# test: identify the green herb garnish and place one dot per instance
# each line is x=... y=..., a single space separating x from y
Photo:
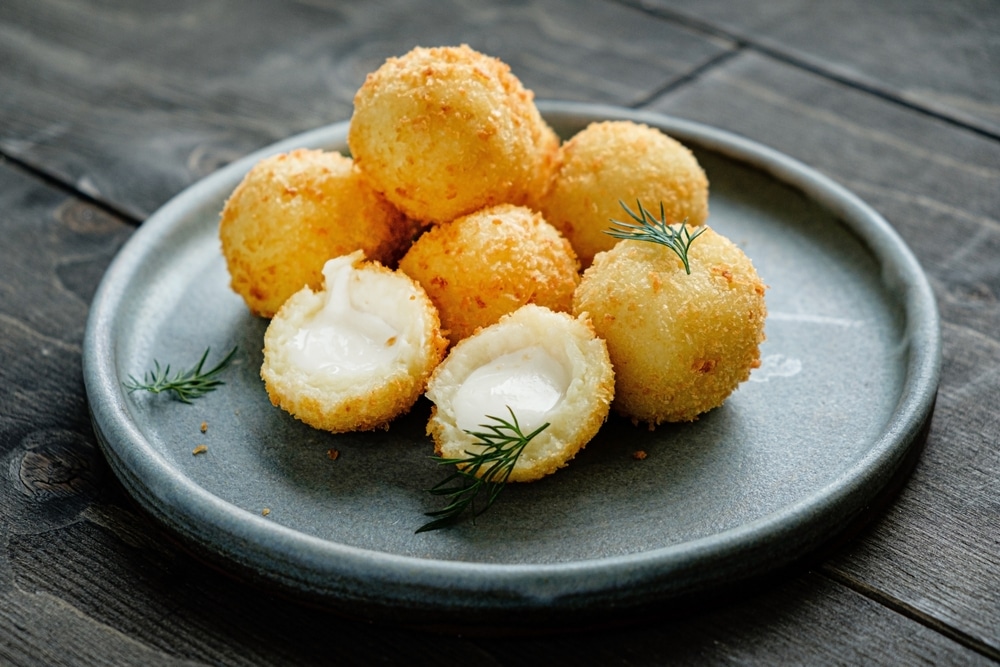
x=648 y=228
x=185 y=385
x=485 y=472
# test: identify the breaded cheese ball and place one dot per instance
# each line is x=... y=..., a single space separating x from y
x=680 y=343
x=294 y=211
x=445 y=131
x=356 y=354
x=546 y=367
x=489 y=263
x=621 y=161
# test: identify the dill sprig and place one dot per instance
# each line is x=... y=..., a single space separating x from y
x=485 y=472
x=185 y=385
x=648 y=228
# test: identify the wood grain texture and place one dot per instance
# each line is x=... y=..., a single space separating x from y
x=777 y=627
x=935 y=551
x=129 y=103
x=938 y=56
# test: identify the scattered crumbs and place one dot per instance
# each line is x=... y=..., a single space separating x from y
x=200 y=449
x=332 y=454
x=265 y=511
x=204 y=427
x=639 y=455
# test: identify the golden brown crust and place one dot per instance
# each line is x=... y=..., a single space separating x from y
x=614 y=161
x=338 y=404
x=294 y=211
x=680 y=344
x=489 y=263
x=445 y=131
x=572 y=423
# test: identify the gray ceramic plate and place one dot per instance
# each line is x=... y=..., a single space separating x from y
x=849 y=373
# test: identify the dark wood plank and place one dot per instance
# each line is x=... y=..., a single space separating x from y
x=941 y=56
x=130 y=103
x=936 y=551
x=809 y=621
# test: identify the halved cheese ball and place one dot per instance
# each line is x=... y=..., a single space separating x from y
x=546 y=367
x=294 y=211
x=680 y=343
x=445 y=131
x=621 y=161
x=489 y=263
x=356 y=354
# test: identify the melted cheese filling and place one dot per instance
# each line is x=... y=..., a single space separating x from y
x=529 y=381
x=342 y=339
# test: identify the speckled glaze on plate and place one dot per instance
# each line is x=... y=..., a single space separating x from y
x=850 y=370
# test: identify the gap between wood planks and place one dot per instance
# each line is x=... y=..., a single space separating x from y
x=742 y=43
x=57 y=183
x=911 y=612
x=697 y=72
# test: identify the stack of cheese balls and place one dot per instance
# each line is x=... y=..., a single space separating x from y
x=444 y=257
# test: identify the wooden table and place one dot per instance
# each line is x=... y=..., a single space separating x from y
x=107 y=109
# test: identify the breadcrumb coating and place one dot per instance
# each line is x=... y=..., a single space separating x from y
x=294 y=211
x=680 y=344
x=621 y=161
x=356 y=354
x=561 y=351
x=489 y=263
x=445 y=131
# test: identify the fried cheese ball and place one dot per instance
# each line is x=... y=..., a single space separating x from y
x=489 y=263
x=621 y=161
x=546 y=367
x=294 y=211
x=680 y=344
x=445 y=131
x=356 y=354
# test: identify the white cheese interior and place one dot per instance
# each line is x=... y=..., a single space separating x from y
x=529 y=381
x=342 y=339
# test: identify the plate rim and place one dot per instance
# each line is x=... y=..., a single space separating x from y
x=398 y=586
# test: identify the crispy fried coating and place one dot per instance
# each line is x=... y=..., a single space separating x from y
x=294 y=211
x=356 y=354
x=489 y=263
x=546 y=366
x=445 y=131
x=621 y=161
x=680 y=344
